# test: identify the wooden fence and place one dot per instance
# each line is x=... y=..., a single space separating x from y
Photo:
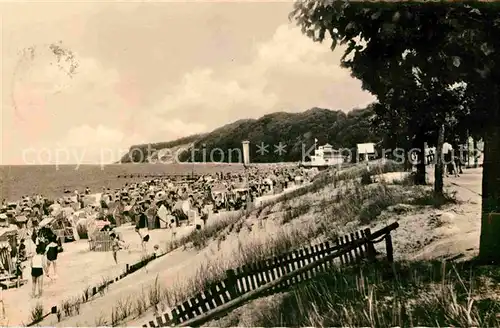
x=274 y=275
x=101 y=242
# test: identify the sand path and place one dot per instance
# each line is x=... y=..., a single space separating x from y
x=450 y=232
x=460 y=227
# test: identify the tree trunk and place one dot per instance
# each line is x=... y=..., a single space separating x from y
x=438 y=171
x=475 y=153
x=420 y=175
x=489 y=246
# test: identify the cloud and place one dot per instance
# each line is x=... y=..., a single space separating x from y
x=289 y=72
x=289 y=50
x=100 y=136
x=176 y=128
x=47 y=100
x=84 y=144
x=204 y=95
x=101 y=107
x=76 y=119
x=157 y=129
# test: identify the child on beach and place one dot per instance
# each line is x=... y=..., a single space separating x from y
x=144 y=240
x=38 y=266
x=115 y=246
x=51 y=253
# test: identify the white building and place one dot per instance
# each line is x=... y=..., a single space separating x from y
x=366 y=151
x=326 y=155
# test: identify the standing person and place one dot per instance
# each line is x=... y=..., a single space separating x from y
x=38 y=266
x=19 y=266
x=448 y=158
x=461 y=159
x=457 y=165
x=115 y=246
x=51 y=254
x=22 y=250
x=142 y=225
x=3 y=305
x=150 y=211
x=144 y=239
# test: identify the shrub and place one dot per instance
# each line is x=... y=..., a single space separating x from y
x=294 y=212
x=155 y=294
x=407 y=180
x=100 y=321
x=37 y=313
x=366 y=178
x=121 y=311
x=200 y=238
x=431 y=199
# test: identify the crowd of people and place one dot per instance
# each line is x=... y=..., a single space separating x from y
x=152 y=204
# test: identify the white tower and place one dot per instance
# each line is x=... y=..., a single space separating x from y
x=246 y=151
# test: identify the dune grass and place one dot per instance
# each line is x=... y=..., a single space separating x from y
x=37 y=312
x=200 y=238
x=158 y=298
x=293 y=212
x=354 y=201
x=365 y=203
x=404 y=294
x=285 y=240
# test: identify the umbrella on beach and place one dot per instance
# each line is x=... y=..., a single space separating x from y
x=21 y=219
x=54 y=208
x=101 y=224
x=46 y=221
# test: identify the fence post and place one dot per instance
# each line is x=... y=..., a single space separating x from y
x=388 y=247
x=232 y=283
x=127 y=268
x=370 y=249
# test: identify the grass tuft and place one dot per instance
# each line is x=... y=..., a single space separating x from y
x=292 y=213
x=37 y=313
x=405 y=294
x=121 y=311
x=154 y=293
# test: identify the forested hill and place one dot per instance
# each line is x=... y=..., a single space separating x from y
x=295 y=131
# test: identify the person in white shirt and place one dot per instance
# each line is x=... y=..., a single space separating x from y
x=447 y=148
x=448 y=158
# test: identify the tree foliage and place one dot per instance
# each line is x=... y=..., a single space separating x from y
x=410 y=52
x=296 y=131
x=441 y=44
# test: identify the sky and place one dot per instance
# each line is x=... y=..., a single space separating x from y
x=152 y=71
